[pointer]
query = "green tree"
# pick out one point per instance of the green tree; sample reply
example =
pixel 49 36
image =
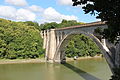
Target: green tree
pixel 51 25
pixel 35 24
pixel 68 23
pixel 81 45
pixel 18 40
pixel 64 23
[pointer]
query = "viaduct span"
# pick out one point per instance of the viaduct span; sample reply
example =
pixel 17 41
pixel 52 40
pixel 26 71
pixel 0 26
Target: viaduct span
pixel 55 41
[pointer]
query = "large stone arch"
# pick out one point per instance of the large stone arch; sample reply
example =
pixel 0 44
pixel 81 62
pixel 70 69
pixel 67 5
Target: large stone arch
pixel 59 54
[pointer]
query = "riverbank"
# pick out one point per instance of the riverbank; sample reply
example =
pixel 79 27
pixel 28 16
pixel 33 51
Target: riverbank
pixel 87 57
pixel 18 61
pixel 42 60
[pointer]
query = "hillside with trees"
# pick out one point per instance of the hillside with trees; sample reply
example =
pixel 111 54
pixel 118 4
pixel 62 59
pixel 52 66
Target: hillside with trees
pixel 19 40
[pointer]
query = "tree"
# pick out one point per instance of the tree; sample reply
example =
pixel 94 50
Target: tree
pixel 18 40
pixel 35 24
pixel 80 45
pixel 68 23
pixel 106 10
pixel 51 25
pixel 64 23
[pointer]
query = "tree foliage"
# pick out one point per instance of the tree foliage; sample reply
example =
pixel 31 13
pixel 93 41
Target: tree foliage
pixel 116 75
pixel 81 45
pixel 64 23
pixel 106 10
pixel 35 24
pixel 18 40
pixel 51 25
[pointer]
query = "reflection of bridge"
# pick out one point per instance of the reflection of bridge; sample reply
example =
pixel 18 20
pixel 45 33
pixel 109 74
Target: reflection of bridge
pixel 55 41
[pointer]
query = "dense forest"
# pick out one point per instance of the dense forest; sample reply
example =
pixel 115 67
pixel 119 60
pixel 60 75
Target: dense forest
pixel 81 45
pixel 21 40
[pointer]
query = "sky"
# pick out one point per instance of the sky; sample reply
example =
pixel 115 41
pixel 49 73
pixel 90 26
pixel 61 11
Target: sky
pixel 43 11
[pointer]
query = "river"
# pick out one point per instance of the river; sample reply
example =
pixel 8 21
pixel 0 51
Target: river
pixel 87 69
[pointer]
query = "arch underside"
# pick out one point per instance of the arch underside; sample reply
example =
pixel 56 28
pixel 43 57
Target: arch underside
pixel 60 51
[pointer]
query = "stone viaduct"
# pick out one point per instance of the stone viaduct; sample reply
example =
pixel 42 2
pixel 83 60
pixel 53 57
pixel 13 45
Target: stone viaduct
pixel 55 41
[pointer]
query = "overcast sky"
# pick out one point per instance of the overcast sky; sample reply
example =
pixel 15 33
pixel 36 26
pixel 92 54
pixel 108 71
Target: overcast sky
pixel 43 11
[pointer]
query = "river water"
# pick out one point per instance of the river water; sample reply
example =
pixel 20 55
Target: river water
pixel 88 69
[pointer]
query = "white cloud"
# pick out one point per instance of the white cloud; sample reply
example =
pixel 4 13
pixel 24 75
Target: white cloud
pixel 7 12
pixel 65 2
pixel 51 15
pixel 25 15
pixel 70 3
pixel 17 2
pixel 35 8
pixel 12 13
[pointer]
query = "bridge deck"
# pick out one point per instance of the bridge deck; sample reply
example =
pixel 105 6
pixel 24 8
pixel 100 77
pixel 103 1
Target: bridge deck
pixel 83 25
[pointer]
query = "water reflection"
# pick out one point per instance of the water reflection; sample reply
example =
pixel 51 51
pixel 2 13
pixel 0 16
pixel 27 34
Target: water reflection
pixel 82 73
pixel 50 75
